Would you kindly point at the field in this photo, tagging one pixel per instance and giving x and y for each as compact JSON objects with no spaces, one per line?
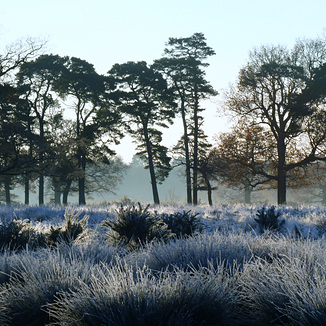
{"x":220,"y":265}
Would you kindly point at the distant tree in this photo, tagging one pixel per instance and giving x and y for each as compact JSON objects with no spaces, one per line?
{"x":63,"y":171}
{"x":38,"y":77}
{"x":207,"y":169}
{"x":318,"y":177}
{"x":270,"y":91}
{"x":175,"y":70}
{"x":183,"y":64}
{"x":104,"y":178}
{"x":89,"y":92}
{"x":13,"y":129}
{"x":7,"y":184}
{"x":14,"y":117}
{"x":146,"y":101}
{"x":245,"y":157}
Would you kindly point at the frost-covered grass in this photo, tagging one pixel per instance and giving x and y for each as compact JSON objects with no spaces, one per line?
{"x":232,"y":272}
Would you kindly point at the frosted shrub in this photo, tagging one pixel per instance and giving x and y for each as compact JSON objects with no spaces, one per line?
{"x":11,"y":261}
{"x":93,"y":252}
{"x":17,"y":234}
{"x":268,"y":219}
{"x":35,"y":283}
{"x":39,"y":213}
{"x":262,"y":293}
{"x":124,"y":296}
{"x":227,"y":274}
{"x":286,"y":290}
{"x":72,"y":229}
{"x":134,"y":227}
{"x":205,"y":249}
{"x":182,"y":224}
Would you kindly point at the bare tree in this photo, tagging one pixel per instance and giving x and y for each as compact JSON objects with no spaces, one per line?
{"x":19,"y":53}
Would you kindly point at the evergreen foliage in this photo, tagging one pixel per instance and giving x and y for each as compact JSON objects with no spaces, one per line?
{"x":135,"y":226}
{"x":182,"y":223}
{"x":268,"y":219}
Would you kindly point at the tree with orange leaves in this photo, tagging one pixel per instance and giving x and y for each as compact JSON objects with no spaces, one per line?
{"x":284,"y":91}
{"x":244,"y":157}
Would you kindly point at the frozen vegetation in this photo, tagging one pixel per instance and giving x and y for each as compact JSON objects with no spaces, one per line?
{"x":164,"y":265}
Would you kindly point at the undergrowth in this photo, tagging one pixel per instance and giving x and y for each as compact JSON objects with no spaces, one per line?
{"x":135,"y":226}
{"x":207,"y":276}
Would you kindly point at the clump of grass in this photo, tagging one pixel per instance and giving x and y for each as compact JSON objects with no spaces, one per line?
{"x":289,"y":290}
{"x":73,"y":228}
{"x":268,"y":219}
{"x":19,"y":234}
{"x":34,"y":283}
{"x":135,"y":226}
{"x":121,"y":295}
{"x":182,"y":223}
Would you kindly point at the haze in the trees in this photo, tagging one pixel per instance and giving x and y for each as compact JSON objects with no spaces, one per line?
{"x":280,"y":94}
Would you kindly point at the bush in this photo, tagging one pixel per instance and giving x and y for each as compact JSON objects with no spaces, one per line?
{"x":72,"y":229}
{"x":182,"y":224}
{"x":289,"y":290}
{"x":207,"y":249}
{"x":35,"y":282}
{"x":121,"y":295}
{"x":18,"y":234}
{"x":268,"y":219}
{"x":135,"y":226}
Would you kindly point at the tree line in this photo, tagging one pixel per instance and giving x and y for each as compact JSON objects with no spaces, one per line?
{"x":39,"y":141}
{"x":278,"y":105}
{"x":279,"y":102}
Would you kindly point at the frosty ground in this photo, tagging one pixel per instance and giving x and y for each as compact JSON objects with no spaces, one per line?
{"x":231,"y":272}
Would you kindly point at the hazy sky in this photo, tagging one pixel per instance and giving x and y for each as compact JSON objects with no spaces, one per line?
{"x":105,"y":32}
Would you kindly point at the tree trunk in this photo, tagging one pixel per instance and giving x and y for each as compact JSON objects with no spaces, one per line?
{"x":187,"y":155}
{"x":57,"y":197}
{"x":281,"y":173}
{"x":195,"y":157}
{"x":81,"y":180}
{"x":26,"y":189}
{"x":81,"y":191}
{"x":57,"y":192}
{"x":323,"y":190}
{"x":247,"y":193}
{"x":151,"y":167}
{"x":81,"y":155}
{"x":27,"y":176}
{"x":66,"y":192}
{"x":7,"y":189}
{"x":41,"y":158}
{"x":41,"y":190}
{"x":209,"y":193}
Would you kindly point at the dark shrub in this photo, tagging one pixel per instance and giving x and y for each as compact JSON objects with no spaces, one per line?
{"x":135,"y":226}
{"x":17,"y":235}
{"x":268,"y":219}
{"x":182,"y":224}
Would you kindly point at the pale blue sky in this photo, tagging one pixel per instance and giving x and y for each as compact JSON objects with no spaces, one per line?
{"x":105,"y":32}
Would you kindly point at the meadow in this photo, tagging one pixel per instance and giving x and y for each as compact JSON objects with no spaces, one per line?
{"x":163,"y":265}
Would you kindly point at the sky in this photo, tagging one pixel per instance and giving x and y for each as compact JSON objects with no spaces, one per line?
{"x":105,"y":32}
